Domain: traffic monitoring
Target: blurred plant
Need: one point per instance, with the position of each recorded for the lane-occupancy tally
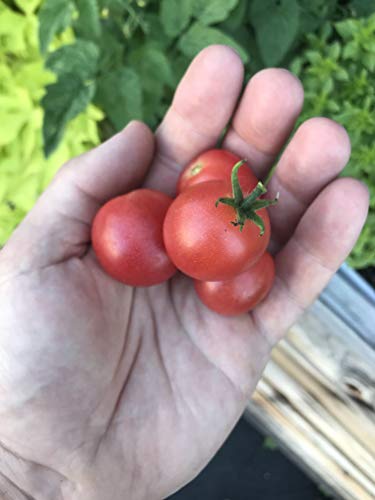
(126, 57)
(269, 443)
(129, 54)
(24, 171)
(337, 70)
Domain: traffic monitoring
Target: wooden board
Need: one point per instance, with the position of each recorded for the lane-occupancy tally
(317, 396)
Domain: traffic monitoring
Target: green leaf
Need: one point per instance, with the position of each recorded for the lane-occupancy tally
(269, 443)
(199, 36)
(334, 51)
(363, 8)
(148, 61)
(88, 23)
(328, 86)
(119, 95)
(350, 51)
(54, 17)
(115, 6)
(236, 18)
(79, 58)
(314, 13)
(313, 56)
(64, 100)
(155, 30)
(216, 11)
(180, 65)
(175, 15)
(346, 29)
(369, 61)
(111, 49)
(198, 6)
(28, 6)
(276, 25)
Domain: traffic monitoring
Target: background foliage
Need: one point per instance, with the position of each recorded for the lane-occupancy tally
(125, 57)
(24, 171)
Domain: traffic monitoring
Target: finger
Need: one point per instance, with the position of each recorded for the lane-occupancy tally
(317, 153)
(202, 106)
(58, 227)
(321, 242)
(265, 117)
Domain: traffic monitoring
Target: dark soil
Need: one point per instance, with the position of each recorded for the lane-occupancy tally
(368, 274)
(245, 469)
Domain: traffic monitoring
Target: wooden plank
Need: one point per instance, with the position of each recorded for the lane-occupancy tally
(352, 299)
(317, 398)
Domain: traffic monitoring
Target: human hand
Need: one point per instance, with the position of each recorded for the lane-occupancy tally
(109, 392)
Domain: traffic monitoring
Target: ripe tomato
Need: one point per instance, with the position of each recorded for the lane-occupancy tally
(240, 294)
(201, 239)
(127, 237)
(215, 165)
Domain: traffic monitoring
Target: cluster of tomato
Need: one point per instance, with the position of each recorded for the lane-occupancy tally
(215, 231)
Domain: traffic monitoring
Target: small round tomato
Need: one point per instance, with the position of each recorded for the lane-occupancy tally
(201, 238)
(127, 237)
(215, 165)
(240, 294)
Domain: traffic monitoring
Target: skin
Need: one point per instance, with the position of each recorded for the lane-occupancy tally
(201, 239)
(127, 237)
(114, 392)
(216, 164)
(241, 293)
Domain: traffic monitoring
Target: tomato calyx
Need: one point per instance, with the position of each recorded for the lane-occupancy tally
(246, 207)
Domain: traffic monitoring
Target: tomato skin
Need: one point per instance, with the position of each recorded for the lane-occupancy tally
(127, 237)
(215, 165)
(240, 294)
(202, 241)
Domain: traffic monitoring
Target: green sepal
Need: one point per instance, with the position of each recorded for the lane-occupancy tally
(226, 201)
(246, 208)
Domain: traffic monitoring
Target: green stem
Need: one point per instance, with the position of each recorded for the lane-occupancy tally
(237, 191)
(247, 207)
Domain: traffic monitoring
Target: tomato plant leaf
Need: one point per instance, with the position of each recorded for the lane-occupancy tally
(54, 17)
(155, 30)
(275, 32)
(148, 60)
(111, 49)
(115, 6)
(363, 7)
(235, 19)
(199, 36)
(64, 100)
(119, 95)
(88, 23)
(175, 15)
(216, 11)
(314, 14)
(79, 58)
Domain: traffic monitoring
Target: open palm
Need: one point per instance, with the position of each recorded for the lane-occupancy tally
(109, 392)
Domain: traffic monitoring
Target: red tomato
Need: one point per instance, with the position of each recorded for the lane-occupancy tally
(240, 294)
(215, 165)
(127, 237)
(201, 239)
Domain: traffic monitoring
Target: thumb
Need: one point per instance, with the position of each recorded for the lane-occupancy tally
(58, 227)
